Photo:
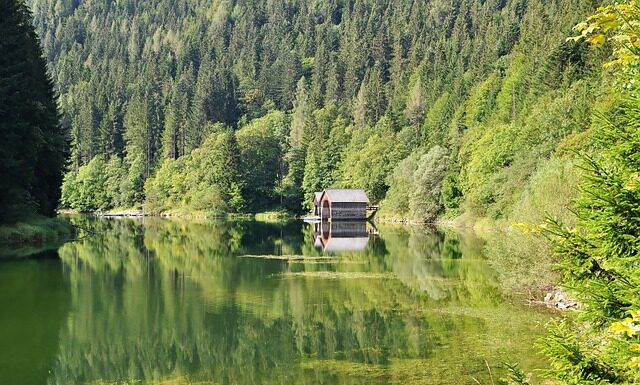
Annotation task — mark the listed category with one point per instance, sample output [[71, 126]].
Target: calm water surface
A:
[[172, 302]]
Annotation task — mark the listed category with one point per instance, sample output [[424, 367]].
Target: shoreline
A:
[[516, 270], [34, 235], [36, 231]]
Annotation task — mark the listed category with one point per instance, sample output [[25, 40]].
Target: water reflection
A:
[[340, 236], [174, 302], [35, 301]]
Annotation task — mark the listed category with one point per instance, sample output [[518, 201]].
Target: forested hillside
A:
[[436, 108]]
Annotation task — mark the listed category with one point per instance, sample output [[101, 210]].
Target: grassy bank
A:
[[36, 231]]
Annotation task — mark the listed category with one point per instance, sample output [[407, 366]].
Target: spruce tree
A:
[[32, 144]]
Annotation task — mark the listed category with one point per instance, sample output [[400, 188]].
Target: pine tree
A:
[[32, 146]]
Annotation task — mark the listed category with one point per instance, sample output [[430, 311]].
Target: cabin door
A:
[[325, 212]]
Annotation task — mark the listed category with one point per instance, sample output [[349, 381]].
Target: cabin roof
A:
[[317, 196], [347, 195]]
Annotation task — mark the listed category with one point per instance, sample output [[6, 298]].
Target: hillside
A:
[[445, 107]]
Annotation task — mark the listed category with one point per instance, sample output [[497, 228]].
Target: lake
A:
[[155, 301]]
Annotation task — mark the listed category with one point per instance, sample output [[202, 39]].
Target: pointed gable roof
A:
[[346, 195]]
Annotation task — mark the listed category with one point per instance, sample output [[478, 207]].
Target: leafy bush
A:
[[401, 182], [416, 186], [262, 158], [86, 189], [425, 201], [550, 192], [205, 180], [103, 185]]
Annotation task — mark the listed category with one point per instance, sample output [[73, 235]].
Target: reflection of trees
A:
[[431, 262], [34, 305], [156, 299]]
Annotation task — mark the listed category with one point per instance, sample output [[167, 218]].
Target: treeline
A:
[[436, 107], [32, 143]]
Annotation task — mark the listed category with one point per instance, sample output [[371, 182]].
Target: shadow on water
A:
[[173, 302]]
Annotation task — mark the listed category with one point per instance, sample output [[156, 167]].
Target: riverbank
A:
[[136, 212], [525, 262], [36, 230], [34, 235]]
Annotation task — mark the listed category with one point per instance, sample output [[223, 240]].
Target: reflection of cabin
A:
[[341, 236], [343, 204]]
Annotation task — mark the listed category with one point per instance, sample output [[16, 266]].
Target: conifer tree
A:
[[32, 146]]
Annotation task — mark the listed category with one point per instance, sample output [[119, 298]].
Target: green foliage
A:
[[369, 159], [319, 96], [516, 376], [206, 180], [452, 196], [600, 252], [495, 168], [167, 189], [213, 175], [510, 99], [36, 230], [481, 100], [416, 186], [328, 135], [262, 167], [425, 202], [402, 185], [574, 362], [551, 189], [437, 119], [86, 190], [32, 145], [132, 187]]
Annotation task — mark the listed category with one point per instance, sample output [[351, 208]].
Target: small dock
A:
[[123, 214]]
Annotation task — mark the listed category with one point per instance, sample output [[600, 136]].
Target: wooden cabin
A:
[[344, 204], [316, 203]]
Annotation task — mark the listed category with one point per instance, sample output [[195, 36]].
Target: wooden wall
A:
[[348, 211]]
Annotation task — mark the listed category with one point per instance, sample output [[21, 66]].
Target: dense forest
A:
[[32, 143], [436, 108]]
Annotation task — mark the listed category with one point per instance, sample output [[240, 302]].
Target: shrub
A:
[[425, 201]]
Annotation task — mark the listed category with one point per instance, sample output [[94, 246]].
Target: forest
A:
[[436, 108]]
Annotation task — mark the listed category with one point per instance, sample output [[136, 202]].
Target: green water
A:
[[173, 302]]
